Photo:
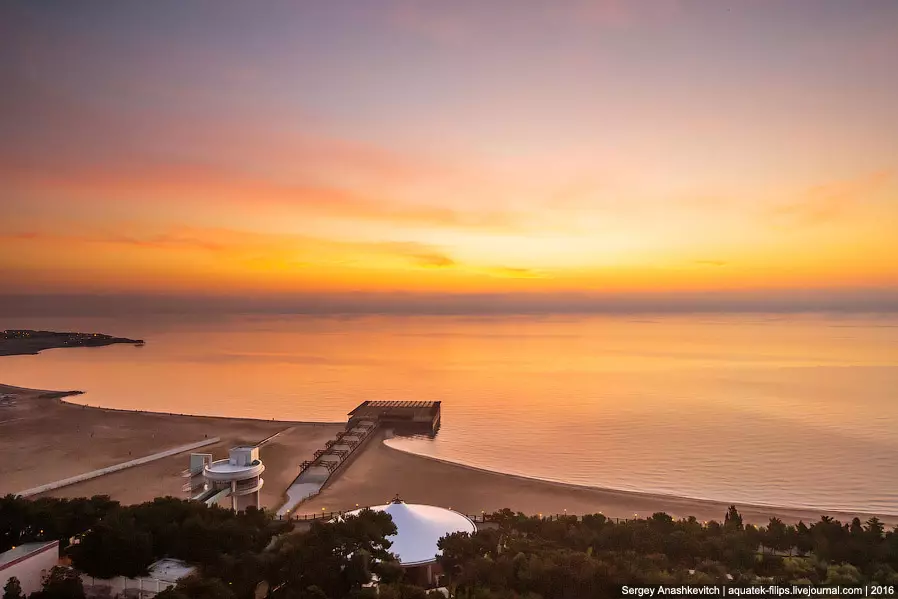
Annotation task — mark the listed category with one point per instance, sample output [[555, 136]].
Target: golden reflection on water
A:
[[797, 410]]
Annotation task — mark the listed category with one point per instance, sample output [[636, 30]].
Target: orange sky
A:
[[417, 148]]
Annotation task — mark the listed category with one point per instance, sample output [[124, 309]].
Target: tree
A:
[[114, 547], [333, 558], [61, 583], [733, 519], [775, 536], [23, 520], [13, 589], [875, 528], [842, 575], [401, 591]]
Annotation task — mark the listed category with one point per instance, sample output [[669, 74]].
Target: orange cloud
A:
[[831, 201], [216, 187]]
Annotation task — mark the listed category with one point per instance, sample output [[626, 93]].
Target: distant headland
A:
[[26, 342]]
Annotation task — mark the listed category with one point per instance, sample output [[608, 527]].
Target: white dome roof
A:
[[419, 527]]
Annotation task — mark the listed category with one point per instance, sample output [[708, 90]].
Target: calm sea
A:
[[781, 410]]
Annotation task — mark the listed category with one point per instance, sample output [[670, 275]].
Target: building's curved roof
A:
[[419, 527], [225, 470]]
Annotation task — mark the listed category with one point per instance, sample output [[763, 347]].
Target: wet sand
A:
[[52, 440], [380, 472]]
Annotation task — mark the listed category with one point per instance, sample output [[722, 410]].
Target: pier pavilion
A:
[[411, 416]]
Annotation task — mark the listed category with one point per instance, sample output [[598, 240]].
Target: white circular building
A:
[[237, 479], [418, 529]]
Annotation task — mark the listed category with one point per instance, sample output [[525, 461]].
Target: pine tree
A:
[[13, 589]]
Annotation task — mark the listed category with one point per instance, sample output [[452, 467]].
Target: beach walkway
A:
[[369, 416], [116, 467], [314, 474]]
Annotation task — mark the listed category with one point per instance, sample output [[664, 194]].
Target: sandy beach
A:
[[381, 472], [52, 439]]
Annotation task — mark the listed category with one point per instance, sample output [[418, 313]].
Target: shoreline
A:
[[517, 490], [383, 471], [61, 397], [30, 342], [86, 439], [652, 496]]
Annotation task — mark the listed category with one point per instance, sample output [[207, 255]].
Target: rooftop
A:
[[419, 527], [401, 404], [22, 551], [170, 570], [227, 466], [368, 406]]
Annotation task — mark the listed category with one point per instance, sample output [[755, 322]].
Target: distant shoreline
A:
[[62, 397], [27, 342]]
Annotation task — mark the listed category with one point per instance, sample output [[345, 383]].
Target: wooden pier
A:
[[405, 416], [410, 417]]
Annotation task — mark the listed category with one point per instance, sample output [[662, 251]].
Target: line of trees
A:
[[567, 557], [251, 554], [24, 521]]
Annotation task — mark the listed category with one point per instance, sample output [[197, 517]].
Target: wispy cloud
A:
[[215, 187], [248, 248], [512, 272], [830, 202], [419, 254], [434, 260], [711, 262]]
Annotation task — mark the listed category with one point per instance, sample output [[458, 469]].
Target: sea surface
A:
[[797, 411]]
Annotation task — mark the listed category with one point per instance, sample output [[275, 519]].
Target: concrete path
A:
[[115, 468], [297, 493]]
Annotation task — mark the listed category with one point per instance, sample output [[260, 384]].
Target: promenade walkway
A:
[[314, 474], [116, 467]]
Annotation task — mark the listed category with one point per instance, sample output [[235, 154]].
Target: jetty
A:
[[403, 417]]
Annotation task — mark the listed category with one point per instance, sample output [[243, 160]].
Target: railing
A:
[[351, 439], [481, 518]]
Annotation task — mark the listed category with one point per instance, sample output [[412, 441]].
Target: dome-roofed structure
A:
[[418, 529]]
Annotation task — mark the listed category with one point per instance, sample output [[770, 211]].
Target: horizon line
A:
[[877, 300]]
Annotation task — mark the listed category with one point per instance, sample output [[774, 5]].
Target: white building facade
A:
[[235, 482], [29, 563]]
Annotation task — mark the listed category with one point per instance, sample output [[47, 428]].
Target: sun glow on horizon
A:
[[407, 151]]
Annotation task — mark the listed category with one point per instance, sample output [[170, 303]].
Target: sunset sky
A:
[[583, 146]]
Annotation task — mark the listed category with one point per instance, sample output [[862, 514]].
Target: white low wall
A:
[[142, 587], [115, 468]]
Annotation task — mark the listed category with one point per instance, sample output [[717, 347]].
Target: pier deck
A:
[[419, 415], [403, 416]]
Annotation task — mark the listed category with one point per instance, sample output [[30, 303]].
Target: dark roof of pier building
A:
[[387, 408]]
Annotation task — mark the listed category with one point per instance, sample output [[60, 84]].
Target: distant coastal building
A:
[[418, 529], [235, 482], [29, 563], [404, 416]]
